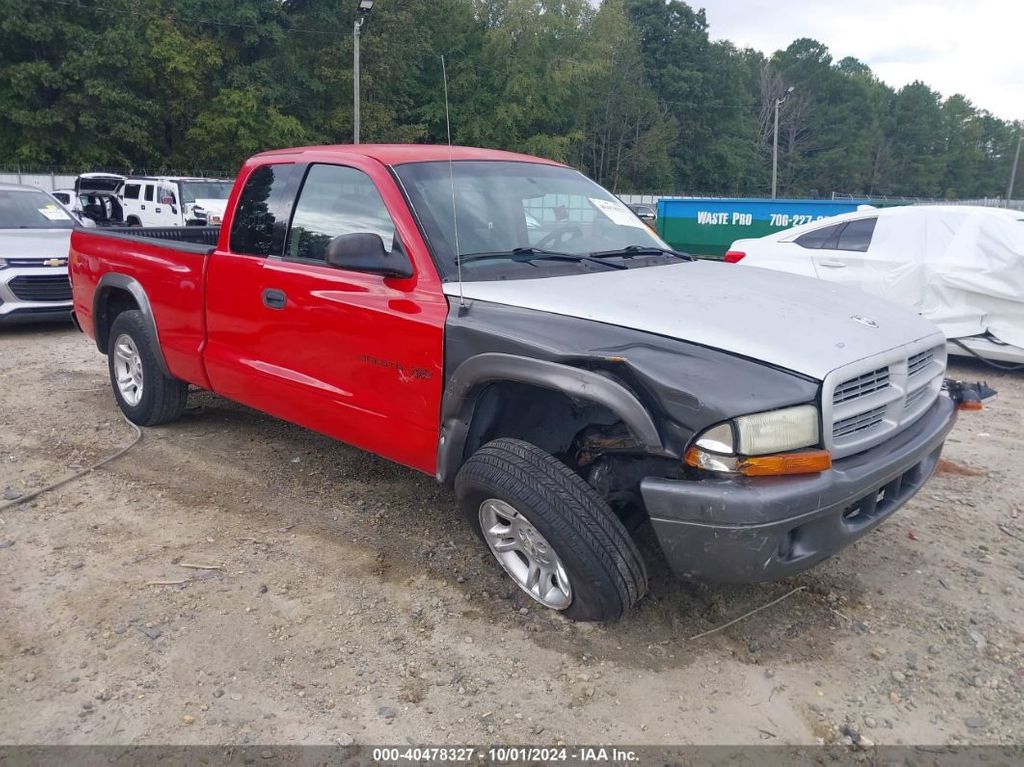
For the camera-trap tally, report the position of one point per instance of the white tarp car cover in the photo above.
(961, 267)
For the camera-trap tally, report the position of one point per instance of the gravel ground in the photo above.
(351, 603)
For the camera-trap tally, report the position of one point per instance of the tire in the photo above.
(604, 569)
(152, 398)
(133, 221)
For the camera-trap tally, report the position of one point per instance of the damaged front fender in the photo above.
(472, 376)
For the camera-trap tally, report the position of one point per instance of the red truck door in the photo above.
(354, 355)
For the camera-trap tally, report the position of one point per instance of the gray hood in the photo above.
(797, 323)
(35, 243)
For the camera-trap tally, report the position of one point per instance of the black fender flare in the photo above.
(101, 325)
(472, 376)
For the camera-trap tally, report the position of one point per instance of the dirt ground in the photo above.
(354, 604)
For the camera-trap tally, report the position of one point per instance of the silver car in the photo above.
(35, 232)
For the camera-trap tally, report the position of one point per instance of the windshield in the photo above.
(29, 209)
(504, 206)
(204, 190)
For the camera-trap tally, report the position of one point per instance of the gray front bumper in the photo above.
(759, 529)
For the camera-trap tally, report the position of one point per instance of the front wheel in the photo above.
(550, 531)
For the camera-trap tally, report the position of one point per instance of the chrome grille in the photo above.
(876, 380)
(868, 401)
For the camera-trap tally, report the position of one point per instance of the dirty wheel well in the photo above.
(111, 303)
(546, 418)
(589, 438)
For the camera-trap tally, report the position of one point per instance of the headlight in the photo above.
(3, 263)
(761, 444)
(777, 430)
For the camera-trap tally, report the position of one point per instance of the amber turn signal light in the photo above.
(803, 462)
(806, 462)
(970, 404)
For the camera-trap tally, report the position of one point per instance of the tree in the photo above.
(916, 141)
(675, 48)
(237, 124)
(627, 134)
(65, 94)
(633, 92)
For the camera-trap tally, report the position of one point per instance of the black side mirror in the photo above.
(366, 253)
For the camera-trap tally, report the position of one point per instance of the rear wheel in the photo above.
(144, 394)
(550, 531)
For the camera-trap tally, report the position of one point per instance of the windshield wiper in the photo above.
(641, 250)
(526, 255)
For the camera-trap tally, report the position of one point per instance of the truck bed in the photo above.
(195, 239)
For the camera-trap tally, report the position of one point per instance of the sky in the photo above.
(973, 47)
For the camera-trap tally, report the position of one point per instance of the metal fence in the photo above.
(45, 181)
(65, 177)
(989, 202)
(981, 202)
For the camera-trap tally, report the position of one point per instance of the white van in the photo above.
(173, 200)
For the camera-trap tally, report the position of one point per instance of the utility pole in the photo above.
(1013, 170)
(363, 9)
(775, 141)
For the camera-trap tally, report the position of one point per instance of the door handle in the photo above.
(159, 210)
(834, 264)
(274, 298)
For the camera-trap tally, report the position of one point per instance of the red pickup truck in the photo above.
(505, 324)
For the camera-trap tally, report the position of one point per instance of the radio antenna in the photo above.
(451, 177)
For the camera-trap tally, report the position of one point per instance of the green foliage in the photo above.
(626, 133)
(236, 124)
(633, 92)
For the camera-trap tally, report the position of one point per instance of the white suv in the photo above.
(173, 200)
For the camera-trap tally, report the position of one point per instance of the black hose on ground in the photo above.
(59, 483)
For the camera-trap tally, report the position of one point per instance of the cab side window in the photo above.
(148, 195)
(255, 230)
(335, 201)
(131, 191)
